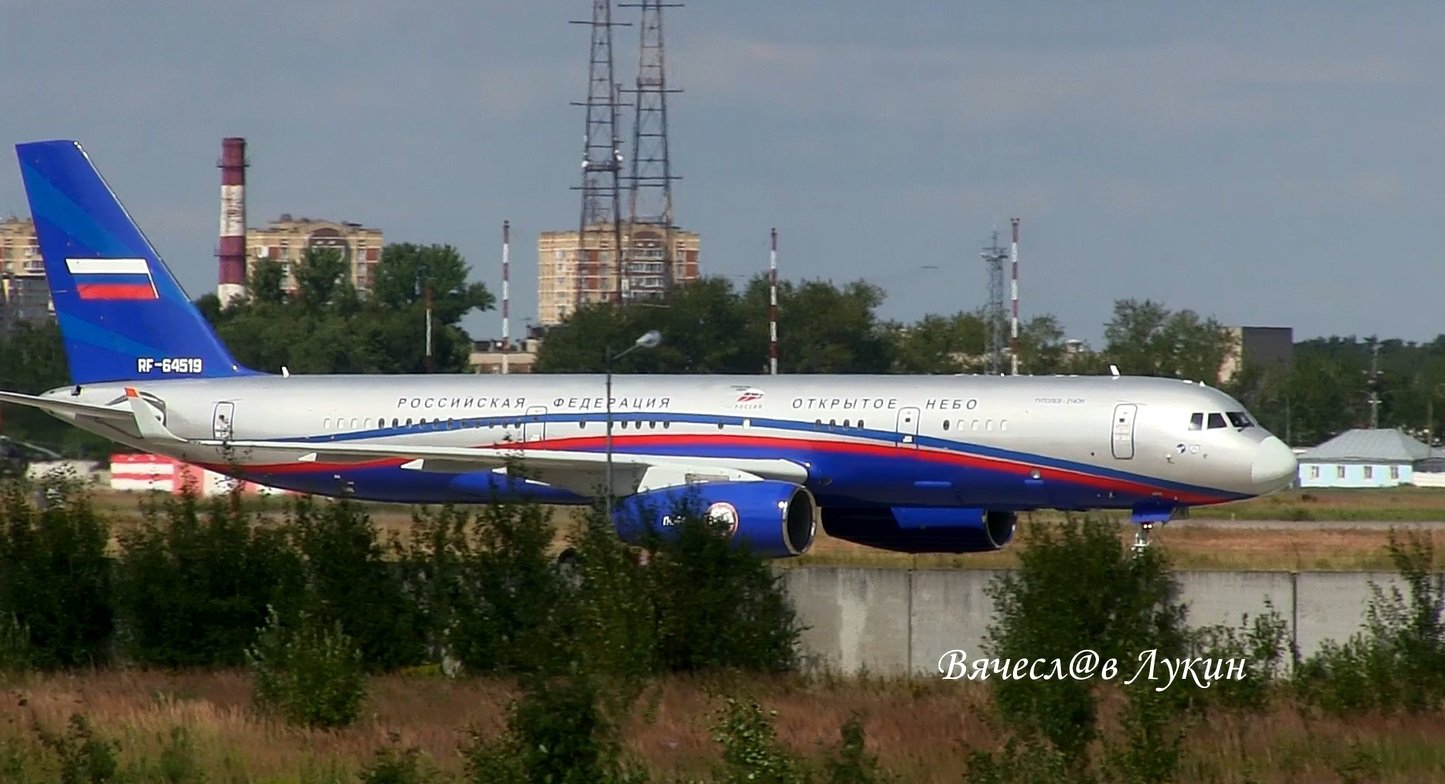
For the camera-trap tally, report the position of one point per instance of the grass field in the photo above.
(1336, 547)
(922, 731)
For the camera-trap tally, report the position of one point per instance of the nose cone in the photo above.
(1274, 466)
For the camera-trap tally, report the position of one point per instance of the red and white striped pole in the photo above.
(1014, 338)
(506, 292)
(773, 307)
(232, 284)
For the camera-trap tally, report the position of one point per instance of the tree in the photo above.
(940, 344)
(1041, 348)
(708, 327)
(326, 326)
(1145, 338)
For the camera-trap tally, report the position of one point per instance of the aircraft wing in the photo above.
(580, 472)
(62, 406)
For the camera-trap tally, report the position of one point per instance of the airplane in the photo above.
(904, 463)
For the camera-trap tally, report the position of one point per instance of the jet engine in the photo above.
(775, 519)
(922, 529)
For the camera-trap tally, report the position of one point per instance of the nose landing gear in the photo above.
(1141, 537)
(1146, 516)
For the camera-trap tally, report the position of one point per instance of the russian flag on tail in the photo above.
(113, 279)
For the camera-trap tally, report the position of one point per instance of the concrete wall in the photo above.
(897, 621)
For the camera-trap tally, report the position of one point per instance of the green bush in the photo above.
(177, 764)
(556, 732)
(1077, 588)
(433, 562)
(1262, 643)
(850, 762)
(718, 605)
(308, 672)
(1397, 662)
(615, 615)
(391, 765)
(82, 756)
(350, 582)
(193, 585)
(56, 583)
(750, 749)
(513, 606)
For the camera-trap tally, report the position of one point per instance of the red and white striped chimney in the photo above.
(233, 221)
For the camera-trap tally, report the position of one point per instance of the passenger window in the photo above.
(845, 423)
(945, 425)
(988, 425)
(666, 425)
(408, 421)
(326, 423)
(1196, 422)
(1216, 421)
(860, 423)
(395, 422)
(1003, 424)
(367, 423)
(975, 424)
(354, 424)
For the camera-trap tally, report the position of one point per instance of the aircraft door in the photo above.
(223, 420)
(908, 427)
(534, 424)
(1123, 443)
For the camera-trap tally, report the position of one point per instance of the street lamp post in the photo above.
(648, 340)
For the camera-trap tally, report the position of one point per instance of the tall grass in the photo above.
(920, 731)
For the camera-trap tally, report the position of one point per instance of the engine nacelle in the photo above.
(922, 529)
(775, 519)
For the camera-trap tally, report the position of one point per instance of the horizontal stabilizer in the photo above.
(57, 405)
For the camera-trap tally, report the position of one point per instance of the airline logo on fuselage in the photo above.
(748, 397)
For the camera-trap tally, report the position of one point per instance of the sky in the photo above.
(1270, 164)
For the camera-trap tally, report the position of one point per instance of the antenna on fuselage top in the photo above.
(1114, 371)
(285, 372)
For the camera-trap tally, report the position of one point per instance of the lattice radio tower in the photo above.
(649, 181)
(601, 157)
(994, 321)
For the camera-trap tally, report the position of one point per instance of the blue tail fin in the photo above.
(122, 314)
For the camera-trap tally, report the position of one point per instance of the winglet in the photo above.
(150, 428)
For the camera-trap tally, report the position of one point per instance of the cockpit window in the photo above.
(1196, 422)
(1216, 420)
(1239, 419)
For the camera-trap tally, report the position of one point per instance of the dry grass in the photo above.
(922, 730)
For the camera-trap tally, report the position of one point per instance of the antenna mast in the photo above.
(993, 312)
(601, 160)
(650, 259)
